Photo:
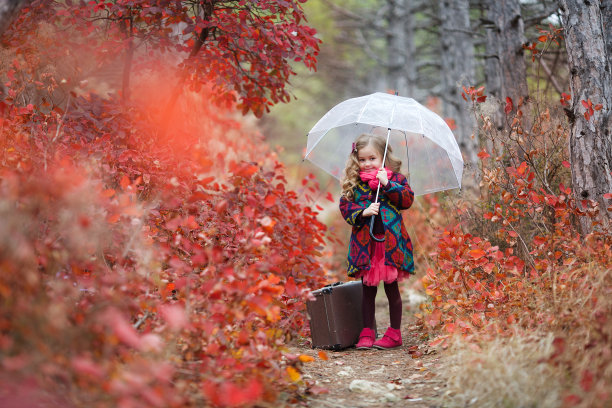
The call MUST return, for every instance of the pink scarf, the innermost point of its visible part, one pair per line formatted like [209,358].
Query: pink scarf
[370,177]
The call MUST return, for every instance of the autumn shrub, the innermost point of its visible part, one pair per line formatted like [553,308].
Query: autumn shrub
[515,262]
[148,263]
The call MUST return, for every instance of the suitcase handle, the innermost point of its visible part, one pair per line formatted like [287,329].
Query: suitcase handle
[328,288]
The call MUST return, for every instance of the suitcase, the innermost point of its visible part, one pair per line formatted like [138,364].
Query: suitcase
[335,315]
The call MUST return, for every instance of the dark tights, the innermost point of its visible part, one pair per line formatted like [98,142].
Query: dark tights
[395,304]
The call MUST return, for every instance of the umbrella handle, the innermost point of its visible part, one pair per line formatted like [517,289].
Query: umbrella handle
[372,231]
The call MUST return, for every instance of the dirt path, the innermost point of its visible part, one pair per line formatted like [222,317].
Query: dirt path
[397,378]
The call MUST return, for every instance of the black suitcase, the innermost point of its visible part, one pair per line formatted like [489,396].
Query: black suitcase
[335,315]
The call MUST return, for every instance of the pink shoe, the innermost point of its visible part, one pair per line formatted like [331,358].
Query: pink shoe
[366,339]
[391,339]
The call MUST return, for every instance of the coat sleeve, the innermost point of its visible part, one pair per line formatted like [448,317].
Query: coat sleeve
[399,192]
[351,212]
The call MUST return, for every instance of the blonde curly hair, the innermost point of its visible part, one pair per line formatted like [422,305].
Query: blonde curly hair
[351,171]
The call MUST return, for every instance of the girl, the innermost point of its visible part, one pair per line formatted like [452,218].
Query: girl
[368,259]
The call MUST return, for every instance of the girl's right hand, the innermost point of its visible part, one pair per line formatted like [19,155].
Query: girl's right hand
[371,210]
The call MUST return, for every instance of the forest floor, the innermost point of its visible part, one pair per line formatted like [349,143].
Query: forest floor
[400,377]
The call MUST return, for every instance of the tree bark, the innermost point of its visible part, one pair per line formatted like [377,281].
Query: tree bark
[606,15]
[590,79]
[457,71]
[396,40]
[8,11]
[505,70]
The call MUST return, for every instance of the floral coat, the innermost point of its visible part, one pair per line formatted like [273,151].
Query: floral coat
[394,197]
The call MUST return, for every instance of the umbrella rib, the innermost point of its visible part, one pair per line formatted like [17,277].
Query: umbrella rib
[421,120]
[315,145]
[362,110]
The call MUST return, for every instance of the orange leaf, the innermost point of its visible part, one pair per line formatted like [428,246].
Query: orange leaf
[293,374]
[323,355]
[477,253]
[305,358]
[108,193]
[113,218]
[125,182]
[542,38]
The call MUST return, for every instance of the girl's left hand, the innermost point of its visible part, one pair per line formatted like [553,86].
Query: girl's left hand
[382,177]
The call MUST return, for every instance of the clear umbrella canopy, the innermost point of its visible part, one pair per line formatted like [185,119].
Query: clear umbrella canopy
[418,137]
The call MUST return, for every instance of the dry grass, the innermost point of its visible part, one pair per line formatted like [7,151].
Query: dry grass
[506,372]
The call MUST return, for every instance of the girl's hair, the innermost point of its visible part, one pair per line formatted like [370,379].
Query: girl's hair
[351,172]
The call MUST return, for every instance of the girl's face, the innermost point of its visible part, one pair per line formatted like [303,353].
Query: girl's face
[369,159]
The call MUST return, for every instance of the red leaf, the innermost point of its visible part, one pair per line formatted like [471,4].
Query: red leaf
[329,197]
[479,307]
[542,38]
[483,154]
[451,123]
[174,315]
[572,399]
[566,164]
[585,103]
[122,329]
[270,200]
[586,382]
[509,105]
[316,390]
[437,341]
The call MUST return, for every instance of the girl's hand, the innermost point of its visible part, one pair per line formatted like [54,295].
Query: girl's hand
[382,177]
[371,210]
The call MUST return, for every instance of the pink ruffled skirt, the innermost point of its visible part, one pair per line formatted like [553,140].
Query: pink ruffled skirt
[378,270]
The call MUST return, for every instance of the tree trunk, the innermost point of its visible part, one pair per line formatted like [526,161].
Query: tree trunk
[506,72]
[590,80]
[8,11]
[606,15]
[396,40]
[458,70]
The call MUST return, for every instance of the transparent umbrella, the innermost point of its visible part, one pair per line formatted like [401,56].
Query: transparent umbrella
[430,156]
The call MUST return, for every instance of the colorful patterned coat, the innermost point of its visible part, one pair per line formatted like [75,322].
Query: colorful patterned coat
[394,197]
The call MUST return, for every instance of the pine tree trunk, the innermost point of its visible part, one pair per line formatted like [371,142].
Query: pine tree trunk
[458,70]
[590,79]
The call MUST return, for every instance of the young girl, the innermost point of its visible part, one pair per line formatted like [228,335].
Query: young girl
[368,259]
